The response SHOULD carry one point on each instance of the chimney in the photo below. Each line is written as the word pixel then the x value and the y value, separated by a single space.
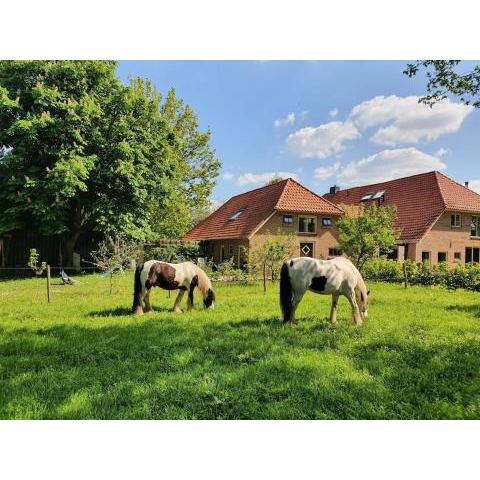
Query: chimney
pixel 466 184
pixel 335 189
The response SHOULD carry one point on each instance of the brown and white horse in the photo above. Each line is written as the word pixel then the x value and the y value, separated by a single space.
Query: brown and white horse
pixel 170 276
pixel 336 276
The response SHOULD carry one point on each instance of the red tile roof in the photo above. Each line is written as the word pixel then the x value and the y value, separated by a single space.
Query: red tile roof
pixel 257 205
pixel 420 200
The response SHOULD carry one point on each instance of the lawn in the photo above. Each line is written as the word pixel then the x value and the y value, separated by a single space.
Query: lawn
pixel 85 356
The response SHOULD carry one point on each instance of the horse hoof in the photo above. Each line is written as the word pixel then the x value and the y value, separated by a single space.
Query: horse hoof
pixel 139 311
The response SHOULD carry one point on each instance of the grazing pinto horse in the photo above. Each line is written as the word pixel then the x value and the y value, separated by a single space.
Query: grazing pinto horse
pixel 170 276
pixel 336 276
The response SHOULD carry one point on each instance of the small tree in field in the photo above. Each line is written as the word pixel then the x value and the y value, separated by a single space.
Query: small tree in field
pixel 34 264
pixel 114 255
pixel 269 256
pixel 367 231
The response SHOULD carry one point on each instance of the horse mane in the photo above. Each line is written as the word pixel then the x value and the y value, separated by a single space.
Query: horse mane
pixel 204 283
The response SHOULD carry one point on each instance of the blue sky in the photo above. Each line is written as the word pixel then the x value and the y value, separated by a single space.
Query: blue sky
pixel 344 122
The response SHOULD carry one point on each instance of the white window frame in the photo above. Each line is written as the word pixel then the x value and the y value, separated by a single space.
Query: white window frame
pixel 288 215
pixel 454 224
pixel 313 248
pixel 477 226
pixel 307 216
pixel 331 222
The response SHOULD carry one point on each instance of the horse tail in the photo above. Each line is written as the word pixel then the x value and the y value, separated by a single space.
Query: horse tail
pixel 286 299
pixel 137 289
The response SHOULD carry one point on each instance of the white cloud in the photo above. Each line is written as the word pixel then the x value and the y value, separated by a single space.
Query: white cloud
pixel 322 141
pixel 227 176
pixel 262 178
pixel 333 112
pixel 408 121
pixel 441 152
pixel 388 165
pixel 283 122
pixel 474 185
pixel 322 173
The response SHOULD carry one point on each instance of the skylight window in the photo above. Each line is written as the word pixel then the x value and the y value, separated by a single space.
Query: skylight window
pixel 236 215
pixel 379 194
pixel 366 197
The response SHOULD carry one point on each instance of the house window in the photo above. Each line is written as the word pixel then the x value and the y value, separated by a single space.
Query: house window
pixel 327 222
pixel 472 255
pixel 307 224
pixel 334 252
pixel 457 256
pixel 306 249
pixel 236 215
pixel 426 257
pixel 288 220
pixel 231 251
pixel 442 257
pixel 475 230
pixel 222 253
pixel 455 220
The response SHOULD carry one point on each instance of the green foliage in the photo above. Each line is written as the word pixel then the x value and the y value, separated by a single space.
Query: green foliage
pixel 195 170
pixel 364 232
pixel 33 262
pixel 114 255
pixel 86 152
pixel 443 80
pixel 275 179
pixel 226 272
pixel 460 276
pixel 266 258
pixel 84 356
pixel 172 252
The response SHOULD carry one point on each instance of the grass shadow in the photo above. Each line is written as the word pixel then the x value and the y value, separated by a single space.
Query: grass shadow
pixel 424 382
pixel 123 311
pixel 471 309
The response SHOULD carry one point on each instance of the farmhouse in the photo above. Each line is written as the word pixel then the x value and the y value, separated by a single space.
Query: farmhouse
pixel 439 219
pixel 285 207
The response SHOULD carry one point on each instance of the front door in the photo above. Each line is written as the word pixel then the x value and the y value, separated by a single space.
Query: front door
pixel 306 249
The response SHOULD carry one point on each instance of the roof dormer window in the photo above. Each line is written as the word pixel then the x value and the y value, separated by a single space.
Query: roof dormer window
pixel 236 214
pixel 366 197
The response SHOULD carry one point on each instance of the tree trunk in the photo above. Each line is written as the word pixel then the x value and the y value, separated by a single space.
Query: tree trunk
pixel 69 248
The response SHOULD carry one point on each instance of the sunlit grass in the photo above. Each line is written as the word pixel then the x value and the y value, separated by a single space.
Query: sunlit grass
pixel 85 356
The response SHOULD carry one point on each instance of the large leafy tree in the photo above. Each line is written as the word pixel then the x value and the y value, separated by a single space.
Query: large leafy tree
pixel 196 168
pixel 367 231
pixel 85 152
pixel 446 77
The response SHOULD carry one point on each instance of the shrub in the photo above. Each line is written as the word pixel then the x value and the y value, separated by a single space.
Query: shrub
pixel 381 269
pixel 174 253
pixel 33 262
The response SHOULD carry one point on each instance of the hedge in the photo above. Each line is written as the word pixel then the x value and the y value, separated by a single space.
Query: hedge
pixel 460 276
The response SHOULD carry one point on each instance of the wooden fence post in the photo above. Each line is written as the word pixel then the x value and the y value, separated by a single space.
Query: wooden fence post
pixel 48 283
pixel 405 276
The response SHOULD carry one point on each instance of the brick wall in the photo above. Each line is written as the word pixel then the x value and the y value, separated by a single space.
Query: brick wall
pixel 324 238
pixel 231 248
pixel 443 238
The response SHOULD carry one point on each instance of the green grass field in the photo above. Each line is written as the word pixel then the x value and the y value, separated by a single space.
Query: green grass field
pixel 85 356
